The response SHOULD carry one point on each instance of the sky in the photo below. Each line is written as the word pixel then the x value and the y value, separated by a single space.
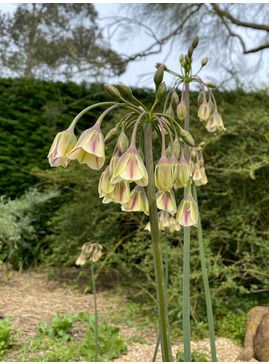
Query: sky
pixel 139 73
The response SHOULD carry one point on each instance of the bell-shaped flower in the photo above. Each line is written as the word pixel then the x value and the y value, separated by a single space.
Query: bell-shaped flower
pixel 138 201
pixel 166 201
pixel 215 122
pixel 199 176
pixel 105 187
pixel 63 143
pixel 121 193
pixel 204 111
pixel 164 174
pixel 187 214
pixel 182 173
pixel 130 167
pixel 90 148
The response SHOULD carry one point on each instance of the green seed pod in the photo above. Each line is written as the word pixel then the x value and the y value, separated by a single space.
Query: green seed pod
pixel 187 137
pixel 204 61
pixel 181 110
pixel 161 91
pixel 125 91
pixel 158 77
pixel 111 135
pixel 112 90
pixel 195 42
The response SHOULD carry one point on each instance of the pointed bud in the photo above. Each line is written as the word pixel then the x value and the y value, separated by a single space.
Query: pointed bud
pixel 195 42
pixel 182 173
pixel 138 201
pixel 123 142
pixel 190 51
pixel 187 214
pixel 174 99
pixel 204 61
pixel 125 91
pixel 112 90
pixel 131 168
pixel 204 111
pixel 166 201
pixel 90 148
pixel 164 174
pixel 170 112
pixel 158 76
pixel 187 137
pixel 161 91
pixel 215 122
pixel 177 148
pixel 63 143
pixel 111 135
pixel 181 110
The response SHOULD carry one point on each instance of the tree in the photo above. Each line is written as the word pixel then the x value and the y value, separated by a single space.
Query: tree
pixel 52 40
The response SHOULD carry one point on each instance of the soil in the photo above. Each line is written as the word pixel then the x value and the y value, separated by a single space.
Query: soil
pixel 29 298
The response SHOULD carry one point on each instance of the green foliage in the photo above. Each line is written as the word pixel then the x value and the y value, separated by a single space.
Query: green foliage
pixel 233 326
pixel 196 356
pixel 20 220
pixel 5 335
pixel 60 327
pixel 57 341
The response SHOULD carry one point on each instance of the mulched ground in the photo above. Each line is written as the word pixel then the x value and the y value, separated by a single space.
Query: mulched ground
pixel 29 298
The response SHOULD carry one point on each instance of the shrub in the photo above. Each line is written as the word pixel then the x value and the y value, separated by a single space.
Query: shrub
pixel 5 335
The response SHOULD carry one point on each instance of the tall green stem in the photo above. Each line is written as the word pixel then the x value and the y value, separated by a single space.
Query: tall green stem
pixel 186 250
pixel 156 246
pixel 209 309
pixel 95 312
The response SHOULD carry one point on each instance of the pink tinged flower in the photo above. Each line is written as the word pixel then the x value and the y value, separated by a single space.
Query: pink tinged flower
pixel 164 174
pixel 90 148
pixel 63 143
pixel 187 214
pixel 182 173
pixel 204 111
pixel 166 201
pixel 130 167
pixel 105 187
pixel 138 201
pixel 199 176
pixel 121 193
pixel 215 123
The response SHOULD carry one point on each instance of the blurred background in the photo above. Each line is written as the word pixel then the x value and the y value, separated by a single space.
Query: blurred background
pixel 53 60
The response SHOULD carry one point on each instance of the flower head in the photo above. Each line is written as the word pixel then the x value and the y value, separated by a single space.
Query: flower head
pixel 130 167
pixel 63 143
pixel 138 201
pixel 187 214
pixel 166 201
pixel 199 176
pixel 90 148
pixel 215 122
pixel 89 252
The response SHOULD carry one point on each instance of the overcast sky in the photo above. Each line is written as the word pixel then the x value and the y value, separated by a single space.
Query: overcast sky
pixel 139 73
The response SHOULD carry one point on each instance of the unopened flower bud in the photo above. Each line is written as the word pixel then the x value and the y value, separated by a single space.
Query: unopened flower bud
pixel 125 91
pixel 177 148
pixel 215 122
pixel 112 90
pixel 181 110
pixel 188 59
pixel 195 42
pixel 161 91
pixel 170 111
pixel 187 137
pixel 182 60
pixel 204 61
pixel 158 76
pixel 164 174
pixel 204 111
pixel 123 142
pixel 187 214
pixel 111 135
pixel 190 51
pixel 174 99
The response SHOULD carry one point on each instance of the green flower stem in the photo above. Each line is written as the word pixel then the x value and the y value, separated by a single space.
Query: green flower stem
pixel 156 246
pixel 166 273
pixel 209 310
pixel 186 251
pixel 95 312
